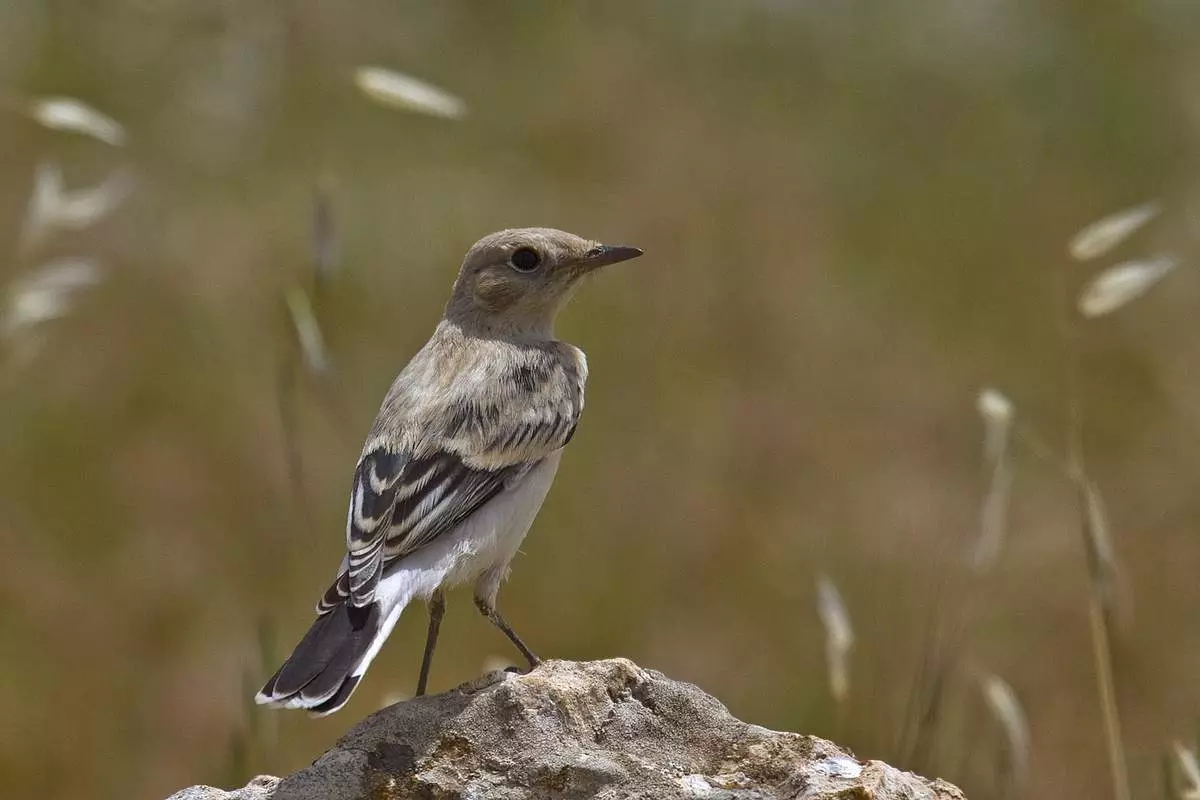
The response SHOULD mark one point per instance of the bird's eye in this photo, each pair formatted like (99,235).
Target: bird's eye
(525,259)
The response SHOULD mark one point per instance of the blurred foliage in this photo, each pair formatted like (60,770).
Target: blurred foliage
(855,216)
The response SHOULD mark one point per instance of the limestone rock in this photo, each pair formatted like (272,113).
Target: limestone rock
(603,729)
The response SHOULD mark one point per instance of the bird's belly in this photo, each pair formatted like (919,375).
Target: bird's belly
(491,536)
(487,540)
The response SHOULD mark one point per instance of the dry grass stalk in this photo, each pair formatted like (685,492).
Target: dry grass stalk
(1106,293)
(1103,565)
(997,413)
(1097,619)
(326,252)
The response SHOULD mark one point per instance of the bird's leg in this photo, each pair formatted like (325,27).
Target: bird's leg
(437,607)
(488,609)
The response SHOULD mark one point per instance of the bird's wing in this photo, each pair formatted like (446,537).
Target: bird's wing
(377,480)
(402,502)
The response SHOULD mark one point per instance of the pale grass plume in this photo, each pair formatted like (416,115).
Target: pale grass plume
(1189,769)
(46,293)
(1104,234)
(997,413)
(308,330)
(397,90)
(53,207)
(1117,286)
(1004,706)
(69,114)
(839,636)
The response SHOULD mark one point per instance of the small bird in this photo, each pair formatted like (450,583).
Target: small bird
(457,463)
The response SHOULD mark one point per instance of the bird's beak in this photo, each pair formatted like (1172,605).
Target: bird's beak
(605,254)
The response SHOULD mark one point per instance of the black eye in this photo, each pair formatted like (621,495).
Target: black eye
(525,259)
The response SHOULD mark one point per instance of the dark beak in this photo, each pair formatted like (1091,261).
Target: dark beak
(605,254)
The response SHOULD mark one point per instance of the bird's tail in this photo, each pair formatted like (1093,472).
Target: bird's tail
(325,668)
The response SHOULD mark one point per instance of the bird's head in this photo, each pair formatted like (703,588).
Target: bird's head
(516,280)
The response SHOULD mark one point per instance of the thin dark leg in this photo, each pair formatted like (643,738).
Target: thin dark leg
(437,608)
(489,611)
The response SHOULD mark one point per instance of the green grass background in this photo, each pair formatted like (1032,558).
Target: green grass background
(855,216)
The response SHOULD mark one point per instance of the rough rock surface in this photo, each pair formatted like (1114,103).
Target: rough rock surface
(601,729)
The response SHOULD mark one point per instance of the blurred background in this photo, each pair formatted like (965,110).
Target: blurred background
(222,239)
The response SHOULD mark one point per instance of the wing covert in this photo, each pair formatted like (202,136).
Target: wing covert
(372,499)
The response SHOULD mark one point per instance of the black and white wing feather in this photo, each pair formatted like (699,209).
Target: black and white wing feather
(402,501)
(376,481)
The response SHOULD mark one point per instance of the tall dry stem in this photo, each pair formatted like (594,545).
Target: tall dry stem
(1097,619)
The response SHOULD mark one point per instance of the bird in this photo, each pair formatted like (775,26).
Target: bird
(457,463)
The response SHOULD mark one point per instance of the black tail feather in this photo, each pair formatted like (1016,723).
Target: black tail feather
(338,698)
(317,675)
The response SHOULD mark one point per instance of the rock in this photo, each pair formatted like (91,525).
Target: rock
(603,729)
(261,788)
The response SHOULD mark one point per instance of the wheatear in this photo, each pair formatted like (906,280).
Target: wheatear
(457,463)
